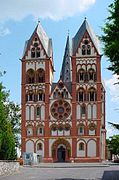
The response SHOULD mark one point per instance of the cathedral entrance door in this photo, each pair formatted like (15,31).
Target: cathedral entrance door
(61,153)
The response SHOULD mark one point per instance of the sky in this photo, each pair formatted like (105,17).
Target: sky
(18,20)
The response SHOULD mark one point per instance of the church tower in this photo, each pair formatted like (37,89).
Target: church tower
(63,121)
(88,97)
(37,77)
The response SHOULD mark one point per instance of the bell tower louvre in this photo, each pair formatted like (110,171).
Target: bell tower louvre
(63,121)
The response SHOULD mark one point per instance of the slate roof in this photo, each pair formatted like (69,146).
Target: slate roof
(79,35)
(65,74)
(45,40)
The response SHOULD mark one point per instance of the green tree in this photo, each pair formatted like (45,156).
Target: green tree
(111,40)
(111,37)
(15,120)
(7,138)
(113,144)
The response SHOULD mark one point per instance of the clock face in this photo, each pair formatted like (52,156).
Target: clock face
(60,109)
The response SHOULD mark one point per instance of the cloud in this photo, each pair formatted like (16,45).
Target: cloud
(111,131)
(54,9)
(4,31)
(113,88)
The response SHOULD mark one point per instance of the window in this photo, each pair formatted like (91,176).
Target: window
(38,52)
(81,130)
(81,146)
(92,75)
(38,111)
(41,96)
(30,76)
(83,50)
(40,76)
(83,111)
(80,75)
(29,131)
(81,95)
(39,146)
(31,97)
(92,95)
(86,48)
(33,53)
(40,131)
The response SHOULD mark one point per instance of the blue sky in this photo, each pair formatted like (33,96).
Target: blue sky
(18,20)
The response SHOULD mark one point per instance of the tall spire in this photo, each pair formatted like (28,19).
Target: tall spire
(65,74)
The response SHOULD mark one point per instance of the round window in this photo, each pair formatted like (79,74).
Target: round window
(61,108)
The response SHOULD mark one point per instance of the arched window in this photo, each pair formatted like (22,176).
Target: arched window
(81,130)
(81,95)
(33,53)
(83,50)
(81,146)
(92,75)
(41,96)
(40,130)
(88,50)
(38,112)
(83,111)
(80,75)
(39,146)
(40,76)
(29,131)
(92,95)
(31,96)
(30,76)
(38,52)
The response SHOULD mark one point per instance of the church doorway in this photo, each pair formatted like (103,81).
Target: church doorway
(61,154)
(61,150)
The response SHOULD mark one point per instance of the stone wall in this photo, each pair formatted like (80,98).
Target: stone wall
(8,167)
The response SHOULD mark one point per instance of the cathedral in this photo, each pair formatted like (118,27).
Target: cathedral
(63,121)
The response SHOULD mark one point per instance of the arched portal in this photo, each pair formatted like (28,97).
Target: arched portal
(61,154)
(61,150)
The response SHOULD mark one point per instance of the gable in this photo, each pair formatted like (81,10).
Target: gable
(40,40)
(86,46)
(85,28)
(57,90)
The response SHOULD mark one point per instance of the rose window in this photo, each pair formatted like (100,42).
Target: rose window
(60,109)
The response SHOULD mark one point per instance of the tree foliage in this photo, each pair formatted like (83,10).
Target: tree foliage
(9,126)
(113,144)
(116,126)
(111,37)
(15,120)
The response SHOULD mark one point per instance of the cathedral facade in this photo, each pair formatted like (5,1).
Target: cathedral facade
(63,121)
